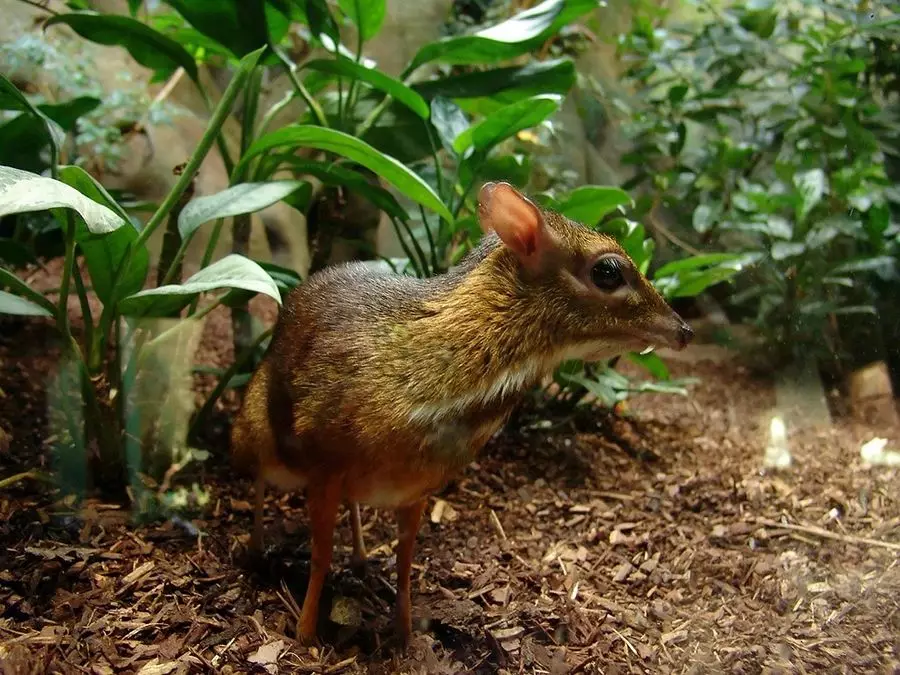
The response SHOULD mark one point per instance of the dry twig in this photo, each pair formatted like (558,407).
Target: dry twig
(826,534)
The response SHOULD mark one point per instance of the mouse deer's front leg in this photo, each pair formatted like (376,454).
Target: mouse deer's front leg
(322,503)
(408,519)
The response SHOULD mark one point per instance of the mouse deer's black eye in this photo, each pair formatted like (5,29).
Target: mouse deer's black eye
(607,274)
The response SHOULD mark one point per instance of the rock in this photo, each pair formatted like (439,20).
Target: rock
(872,396)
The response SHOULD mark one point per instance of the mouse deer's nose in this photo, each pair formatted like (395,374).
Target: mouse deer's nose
(685,334)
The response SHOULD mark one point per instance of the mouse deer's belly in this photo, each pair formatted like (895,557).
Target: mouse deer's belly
(413,472)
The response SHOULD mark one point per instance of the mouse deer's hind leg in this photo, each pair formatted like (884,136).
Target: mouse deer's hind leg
(358,560)
(408,520)
(322,503)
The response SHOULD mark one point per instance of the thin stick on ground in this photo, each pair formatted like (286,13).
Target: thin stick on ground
(826,534)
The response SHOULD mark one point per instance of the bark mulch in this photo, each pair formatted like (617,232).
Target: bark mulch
(645,543)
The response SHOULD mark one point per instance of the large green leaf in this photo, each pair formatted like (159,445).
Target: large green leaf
(507,122)
(506,40)
(22,137)
(13,99)
(589,204)
(238,199)
(335,174)
(811,186)
(492,89)
(13,304)
(736,261)
(23,191)
(105,254)
(68,113)
(232,272)
(241,26)
(368,15)
(23,140)
(147,46)
(341,65)
(20,288)
(449,121)
(330,140)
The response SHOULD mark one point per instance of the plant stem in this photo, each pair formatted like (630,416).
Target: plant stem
(298,85)
(212,131)
(462,200)
(85,310)
(233,370)
(62,315)
(273,112)
(26,475)
(373,117)
(174,247)
(207,256)
(434,260)
(193,164)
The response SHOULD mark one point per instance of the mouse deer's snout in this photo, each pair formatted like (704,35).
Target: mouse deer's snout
(684,333)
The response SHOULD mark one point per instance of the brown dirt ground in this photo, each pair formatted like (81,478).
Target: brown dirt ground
(562,550)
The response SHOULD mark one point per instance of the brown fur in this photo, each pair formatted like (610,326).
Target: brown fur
(379,388)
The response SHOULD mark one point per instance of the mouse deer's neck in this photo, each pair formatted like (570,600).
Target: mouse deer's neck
(483,340)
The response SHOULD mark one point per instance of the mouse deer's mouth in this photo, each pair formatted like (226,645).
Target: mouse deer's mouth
(667,331)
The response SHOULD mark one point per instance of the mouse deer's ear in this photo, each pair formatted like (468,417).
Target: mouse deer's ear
(515,219)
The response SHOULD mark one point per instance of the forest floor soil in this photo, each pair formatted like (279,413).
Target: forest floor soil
(650,541)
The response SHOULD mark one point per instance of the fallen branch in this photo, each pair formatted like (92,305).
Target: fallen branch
(826,534)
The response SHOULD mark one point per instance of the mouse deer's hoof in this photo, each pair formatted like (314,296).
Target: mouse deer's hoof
(306,635)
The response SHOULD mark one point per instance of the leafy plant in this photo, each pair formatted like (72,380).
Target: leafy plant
(107,354)
(769,129)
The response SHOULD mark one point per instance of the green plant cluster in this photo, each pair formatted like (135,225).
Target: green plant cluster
(772,129)
(431,141)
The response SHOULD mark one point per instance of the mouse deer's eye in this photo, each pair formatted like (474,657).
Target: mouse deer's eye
(607,274)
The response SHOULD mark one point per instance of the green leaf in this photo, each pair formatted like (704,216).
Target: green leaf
(589,204)
(703,218)
(884,263)
(507,122)
(12,99)
(236,200)
(321,22)
(23,140)
(502,86)
(782,250)
(147,46)
(241,26)
(736,261)
(601,388)
(13,304)
(330,140)
(105,254)
(449,121)
(286,279)
(67,114)
(232,272)
(692,283)
(341,65)
(22,137)
(336,175)
(507,40)
(368,15)
(811,186)
(652,363)
(23,191)
(20,288)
